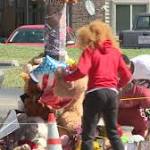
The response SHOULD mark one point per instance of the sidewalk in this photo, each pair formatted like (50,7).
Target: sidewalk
(4,63)
(8,94)
(9,98)
(1,77)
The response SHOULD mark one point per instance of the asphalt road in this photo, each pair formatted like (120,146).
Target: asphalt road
(9,97)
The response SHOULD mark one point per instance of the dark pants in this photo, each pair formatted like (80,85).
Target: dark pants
(100,102)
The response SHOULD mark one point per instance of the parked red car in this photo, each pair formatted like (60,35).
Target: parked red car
(33,35)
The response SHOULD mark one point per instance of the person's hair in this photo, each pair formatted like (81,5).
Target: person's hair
(94,34)
(126,59)
(102,32)
(84,37)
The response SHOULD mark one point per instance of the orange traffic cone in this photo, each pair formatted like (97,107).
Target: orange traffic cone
(54,142)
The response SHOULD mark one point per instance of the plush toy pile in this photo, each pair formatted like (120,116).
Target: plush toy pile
(68,112)
(32,133)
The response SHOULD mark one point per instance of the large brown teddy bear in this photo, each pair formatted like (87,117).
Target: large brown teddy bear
(69,116)
(72,115)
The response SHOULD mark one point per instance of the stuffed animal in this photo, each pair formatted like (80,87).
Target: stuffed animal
(52,94)
(23,147)
(31,99)
(68,117)
(72,115)
(72,112)
(32,133)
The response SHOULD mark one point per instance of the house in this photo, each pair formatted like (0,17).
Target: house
(120,14)
(14,13)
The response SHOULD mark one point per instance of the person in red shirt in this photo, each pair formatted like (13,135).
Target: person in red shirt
(102,61)
(131,110)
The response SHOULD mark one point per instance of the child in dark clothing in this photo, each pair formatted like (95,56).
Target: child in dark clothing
(101,60)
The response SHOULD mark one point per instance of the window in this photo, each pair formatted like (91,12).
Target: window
(122,17)
(136,9)
(126,15)
(143,22)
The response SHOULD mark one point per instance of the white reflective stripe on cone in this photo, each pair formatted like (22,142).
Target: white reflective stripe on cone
(54,147)
(53,131)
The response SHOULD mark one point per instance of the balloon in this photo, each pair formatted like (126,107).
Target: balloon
(48,66)
(124,139)
(96,145)
(70,61)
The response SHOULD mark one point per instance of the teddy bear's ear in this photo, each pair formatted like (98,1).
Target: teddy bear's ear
(25,76)
(33,89)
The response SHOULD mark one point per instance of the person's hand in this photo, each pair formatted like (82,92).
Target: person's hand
(28,68)
(60,70)
(38,61)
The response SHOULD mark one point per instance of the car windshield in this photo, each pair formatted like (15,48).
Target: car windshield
(28,36)
(143,22)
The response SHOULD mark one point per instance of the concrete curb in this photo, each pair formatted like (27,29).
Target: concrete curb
(1,78)
(9,63)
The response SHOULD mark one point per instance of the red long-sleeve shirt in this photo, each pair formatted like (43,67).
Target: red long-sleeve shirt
(136,91)
(102,65)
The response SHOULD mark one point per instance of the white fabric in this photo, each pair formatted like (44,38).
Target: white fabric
(141,67)
(95,89)
(135,138)
(10,124)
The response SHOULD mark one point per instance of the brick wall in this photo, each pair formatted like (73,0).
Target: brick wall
(80,16)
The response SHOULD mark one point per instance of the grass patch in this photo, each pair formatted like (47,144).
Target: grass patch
(74,53)
(135,52)
(24,54)
(13,78)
